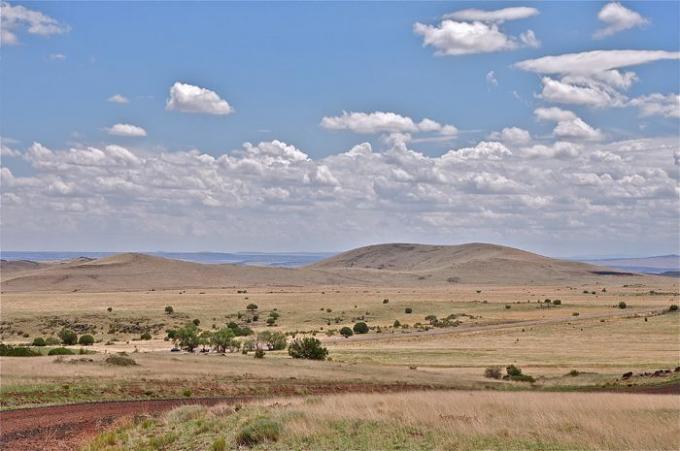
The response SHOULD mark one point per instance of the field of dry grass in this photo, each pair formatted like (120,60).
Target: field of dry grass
(417,420)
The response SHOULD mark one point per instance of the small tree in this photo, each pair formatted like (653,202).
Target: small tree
(223,339)
(275,341)
(169,310)
(346,332)
(204,339)
(252,307)
(86,340)
(68,337)
(360,328)
(187,337)
(307,348)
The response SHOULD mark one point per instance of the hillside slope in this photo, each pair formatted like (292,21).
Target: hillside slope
(384,265)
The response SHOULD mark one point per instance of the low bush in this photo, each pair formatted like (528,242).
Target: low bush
(61,351)
(145,336)
(408,310)
(515,374)
(196,322)
(396,323)
(169,310)
(120,360)
(557,302)
(574,373)
(39,341)
(360,328)
(346,332)
(622,305)
(271,321)
(493,373)
(252,307)
(258,431)
(68,337)
(17,351)
(52,341)
(386,301)
(307,348)
(259,354)
(86,340)
(673,308)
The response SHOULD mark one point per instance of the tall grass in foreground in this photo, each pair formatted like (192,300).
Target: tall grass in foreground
(418,420)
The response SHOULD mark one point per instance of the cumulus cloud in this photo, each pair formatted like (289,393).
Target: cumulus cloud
(491,79)
(591,78)
(194,99)
(658,105)
(398,128)
(16,19)
(118,98)
(618,18)
(512,135)
(239,198)
(126,130)
(568,125)
(472,31)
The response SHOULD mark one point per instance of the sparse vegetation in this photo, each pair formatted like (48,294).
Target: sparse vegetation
(120,360)
(17,351)
(61,351)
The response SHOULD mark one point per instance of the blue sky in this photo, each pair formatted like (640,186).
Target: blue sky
(283,67)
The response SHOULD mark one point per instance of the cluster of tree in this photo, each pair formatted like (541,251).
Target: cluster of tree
(225,339)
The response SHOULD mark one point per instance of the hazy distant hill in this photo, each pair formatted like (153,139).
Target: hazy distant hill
(385,264)
(650,265)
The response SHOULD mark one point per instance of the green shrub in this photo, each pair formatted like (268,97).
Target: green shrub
(17,351)
(673,308)
(172,333)
(408,310)
(120,360)
(515,374)
(187,337)
(396,323)
(258,431)
(68,337)
(622,305)
(86,340)
(169,310)
(307,348)
(219,444)
(52,341)
(252,307)
(186,393)
(360,328)
(145,336)
(60,351)
(271,321)
(196,322)
(346,332)
(39,341)
(557,302)
(276,341)
(512,370)
(259,354)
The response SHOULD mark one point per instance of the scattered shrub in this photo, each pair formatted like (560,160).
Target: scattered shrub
(493,373)
(169,310)
(386,301)
(346,332)
(259,354)
(145,336)
(408,310)
(68,337)
(557,302)
(197,322)
(17,351)
(257,431)
(307,348)
(120,360)
(39,341)
(60,351)
(622,305)
(360,328)
(86,340)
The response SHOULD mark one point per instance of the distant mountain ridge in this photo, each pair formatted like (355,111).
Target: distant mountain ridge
(650,265)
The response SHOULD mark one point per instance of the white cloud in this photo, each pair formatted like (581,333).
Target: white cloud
(569,125)
(512,135)
(385,122)
(491,78)
(126,130)
(618,18)
(658,105)
(476,31)
(194,99)
(500,15)
(18,19)
(273,192)
(57,56)
(594,62)
(117,98)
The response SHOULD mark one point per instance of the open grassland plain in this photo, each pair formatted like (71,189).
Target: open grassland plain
(583,341)
(414,420)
